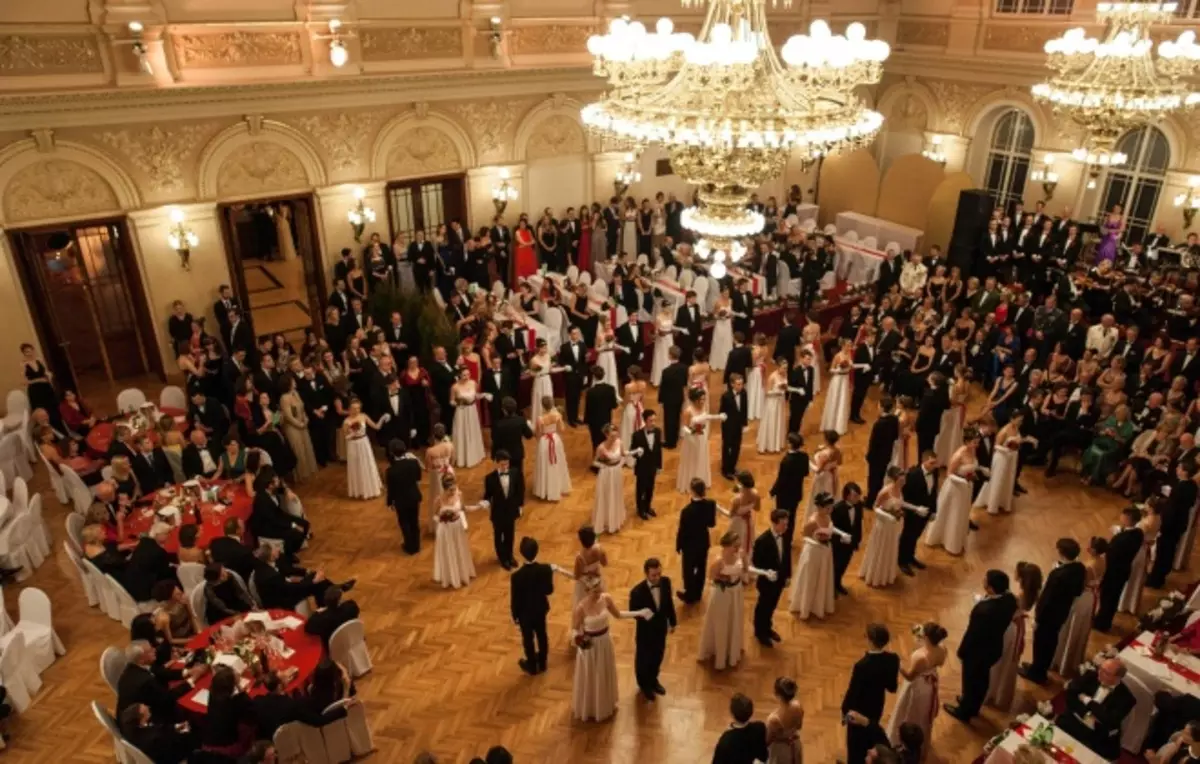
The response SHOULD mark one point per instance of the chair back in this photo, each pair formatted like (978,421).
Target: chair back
(1137,722)
(16,402)
(20,494)
(112,665)
(671,273)
(110,725)
(190,574)
(135,756)
(297,742)
(700,286)
(357,731)
(348,647)
(75,524)
(80,495)
(173,397)
(130,400)
(572,274)
(34,607)
(104,593)
(196,598)
(127,606)
(89,586)
(254,590)
(56,481)
(686,278)
(643,260)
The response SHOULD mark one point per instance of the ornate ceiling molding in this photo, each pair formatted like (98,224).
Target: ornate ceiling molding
(41,54)
(388,153)
(411,43)
(923,32)
(59,181)
(550,39)
(159,153)
(237,48)
(1019,38)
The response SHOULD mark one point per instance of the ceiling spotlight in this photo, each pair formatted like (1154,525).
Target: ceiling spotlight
(338,55)
(334,25)
(136,27)
(139,47)
(497,36)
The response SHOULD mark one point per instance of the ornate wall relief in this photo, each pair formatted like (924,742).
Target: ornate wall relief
(57,188)
(1018,38)
(343,137)
(955,100)
(407,43)
(160,154)
(556,135)
(211,51)
(908,114)
(422,150)
(931,33)
(549,38)
(259,167)
(49,54)
(490,124)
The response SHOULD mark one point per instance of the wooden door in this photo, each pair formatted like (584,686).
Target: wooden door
(426,203)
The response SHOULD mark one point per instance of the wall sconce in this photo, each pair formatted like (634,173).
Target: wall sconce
(139,47)
(1097,161)
(181,238)
(360,214)
(503,193)
(1046,176)
(627,175)
(934,151)
(1189,201)
(338,55)
(496,39)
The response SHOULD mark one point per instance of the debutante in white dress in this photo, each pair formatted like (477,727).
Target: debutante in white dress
(754,392)
(787,748)
(997,492)
(1002,681)
(825,477)
(631,417)
(362,473)
(721,636)
(439,467)
(663,342)
(836,415)
(608,513)
(722,340)
(542,386)
(694,460)
(452,564)
(916,703)
(949,437)
(594,694)
(606,358)
(952,523)
(1073,637)
(629,233)
(772,428)
(812,583)
(467,435)
(881,561)
(1131,595)
(551,478)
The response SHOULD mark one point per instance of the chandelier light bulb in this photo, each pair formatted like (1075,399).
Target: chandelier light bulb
(136,27)
(338,55)
(177,216)
(717,270)
(505,174)
(360,193)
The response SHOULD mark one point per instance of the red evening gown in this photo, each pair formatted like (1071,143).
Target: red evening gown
(525,263)
(585,245)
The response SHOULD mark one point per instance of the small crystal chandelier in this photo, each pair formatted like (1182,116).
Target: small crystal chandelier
(360,214)
(1189,201)
(1046,176)
(1096,161)
(935,153)
(181,238)
(627,175)
(503,193)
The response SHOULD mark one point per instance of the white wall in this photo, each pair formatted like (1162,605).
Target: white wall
(556,183)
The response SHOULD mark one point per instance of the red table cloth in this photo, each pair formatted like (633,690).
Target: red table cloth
(237,504)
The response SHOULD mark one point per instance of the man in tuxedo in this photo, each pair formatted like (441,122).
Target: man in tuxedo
(150,466)
(1063,584)
(612,230)
(847,517)
(343,267)
(404,493)
(573,357)
(421,256)
(318,402)
(442,377)
(800,390)
(509,434)
(1119,554)
(671,390)
(148,564)
(873,677)
(269,518)
(787,340)
(230,551)
(1129,348)
(934,403)
(633,345)
(501,238)
(735,413)
(742,305)
(282,585)
(688,327)
(225,303)
(674,211)
(654,593)
(391,408)
(982,644)
(991,251)
(1187,363)
(920,490)
(864,375)
(1076,430)
(504,491)
(510,347)
(692,541)
(600,404)
(237,334)
(1175,513)
(339,298)
(160,742)
(532,585)
(889,273)
(788,489)
(740,359)
(209,416)
(332,614)
(1097,704)
(499,384)
(197,458)
(143,682)
(772,551)
(649,441)
(884,433)
(398,340)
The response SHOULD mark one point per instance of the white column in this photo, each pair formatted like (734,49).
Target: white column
(955,147)
(14,314)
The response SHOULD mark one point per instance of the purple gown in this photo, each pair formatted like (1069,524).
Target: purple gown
(1108,245)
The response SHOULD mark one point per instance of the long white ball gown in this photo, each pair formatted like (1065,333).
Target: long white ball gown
(1073,638)
(836,414)
(952,523)
(881,561)
(812,583)
(438,469)
(362,473)
(916,703)
(949,437)
(772,428)
(722,341)
(997,493)
(606,359)
(594,694)
(663,342)
(551,477)
(468,437)
(1131,595)
(1002,682)
(754,392)
(694,460)
(721,636)
(608,513)
(631,418)
(452,565)
(542,386)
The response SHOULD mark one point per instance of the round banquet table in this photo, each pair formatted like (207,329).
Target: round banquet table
(100,436)
(306,654)
(236,503)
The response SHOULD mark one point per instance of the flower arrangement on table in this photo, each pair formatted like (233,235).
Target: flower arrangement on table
(256,650)
(1163,615)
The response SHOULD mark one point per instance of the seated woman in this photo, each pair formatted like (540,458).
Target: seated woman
(230,722)
(102,553)
(188,551)
(1113,435)
(76,416)
(173,616)
(1151,452)
(269,437)
(232,464)
(87,468)
(330,683)
(123,479)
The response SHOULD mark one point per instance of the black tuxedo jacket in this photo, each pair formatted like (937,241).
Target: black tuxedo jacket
(566,357)
(1109,713)
(404,483)
(916,492)
(801,378)
(739,362)
(841,521)
(340,300)
(268,517)
(148,564)
(875,674)
(509,434)
(673,385)
(786,344)
(505,507)
(788,489)
(734,406)
(625,338)
(193,464)
(884,433)
(650,462)
(507,386)
(765,556)
(238,336)
(694,521)
(154,474)
(1063,584)
(934,403)
(1122,548)
(441,379)
(600,402)
(652,631)
(233,554)
(864,354)
(214,417)
(532,585)
(984,637)
(138,684)
(688,317)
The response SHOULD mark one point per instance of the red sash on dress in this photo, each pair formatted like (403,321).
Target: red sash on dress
(932,679)
(552,450)
(1178,668)
(637,415)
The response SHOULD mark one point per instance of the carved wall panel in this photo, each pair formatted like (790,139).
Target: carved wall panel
(549,39)
(556,135)
(343,138)
(422,150)
(212,51)
(908,114)
(57,188)
(491,124)
(955,100)
(1018,38)
(408,43)
(914,32)
(259,167)
(22,54)
(162,155)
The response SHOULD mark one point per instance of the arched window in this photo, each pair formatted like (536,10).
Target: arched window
(1137,184)
(1008,157)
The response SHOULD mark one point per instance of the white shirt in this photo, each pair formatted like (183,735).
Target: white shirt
(394,399)
(1102,340)
(656,593)
(650,439)
(778,545)
(928,481)
(504,482)
(206,461)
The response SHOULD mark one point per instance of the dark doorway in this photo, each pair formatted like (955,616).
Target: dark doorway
(426,203)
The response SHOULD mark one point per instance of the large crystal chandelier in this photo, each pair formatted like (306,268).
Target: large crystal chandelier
(729,110)
(1111,85)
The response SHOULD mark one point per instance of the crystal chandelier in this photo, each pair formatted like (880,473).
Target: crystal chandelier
(628,174)
(1111,85)
(730,110)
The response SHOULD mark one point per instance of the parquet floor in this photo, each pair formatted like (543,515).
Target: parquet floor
(446,676)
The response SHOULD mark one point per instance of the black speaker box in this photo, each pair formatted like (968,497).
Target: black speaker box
(970,221)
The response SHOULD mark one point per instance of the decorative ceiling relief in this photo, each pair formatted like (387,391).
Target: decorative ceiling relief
(160,154)
(1018,38)
(555,136)
(550,38)
(931,33)
(955,99)
(490,124)
(260,166)
(46,54)
(57,188)
(211,51)
(406,43)
(908,114)
(343,137)
(420,150)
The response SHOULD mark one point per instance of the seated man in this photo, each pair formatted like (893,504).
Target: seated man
(276,708)
(270,518)
(224,595)
(281,585)
(1097,704)
(198,461)
(231,551)
(150,466)
(332,615)
(148,564)
(163,743)
(140,684)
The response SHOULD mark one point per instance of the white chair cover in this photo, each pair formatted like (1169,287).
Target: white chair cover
(348,646)
(1184,551)
(1131,595)
(110,725)
(12,453)
(130,400)
(808,225)
(17,673)
(349,737)
(16,549)
(20,493)
(296,742)
(554,321)
(16,402)
(75,523)
(6,624)
(56,482)
(196,597)
(89,586)
(701,287)
(1137,723)
(572,274)
(643,260)
(80,495)
(173,397)
(671,273)
(190,574)
(498,289)
(871,242)
(41,641)
(39,534)
(112,664)
(127,606)
(686,278)
(104,592)
(26,431)
(133,754)
(585,278)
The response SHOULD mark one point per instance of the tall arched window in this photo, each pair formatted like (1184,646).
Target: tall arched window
(1136,185)
(1009,156)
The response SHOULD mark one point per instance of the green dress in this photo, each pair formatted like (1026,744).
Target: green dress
(1101,457)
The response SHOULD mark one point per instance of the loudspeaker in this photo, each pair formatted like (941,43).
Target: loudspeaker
(970,221)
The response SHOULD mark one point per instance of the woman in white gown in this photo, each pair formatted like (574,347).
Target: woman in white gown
(694,459)
(836,415)
(1002,681)
(812,583)
(606,355)
(997,493)
(784,725)
(594,695)
(362,472)
(949,436)
(722,336)
(541,365)
(721,635)
(772,428)
(1151,524)
(917,700)
(608,513)
(755,377)
(631,414)
(468,437)
(952,523)
(1073,639)
(452,564)
(810,338)
(439,462)
(629,232)
(590,562)
(825,465)
(551,478)
(664,340)
(881,562)
(745,503)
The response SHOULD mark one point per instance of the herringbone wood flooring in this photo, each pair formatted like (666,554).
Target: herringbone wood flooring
(446,676)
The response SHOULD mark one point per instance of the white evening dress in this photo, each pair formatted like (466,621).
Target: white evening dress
(997,493)
(722,343)
(881,562)
(1131,595)
(551,478)
(916,703)
(772,428)
(452,564)
(631,418)
(824,481)
(949,437)
(1002,682)
(754,392)
(694,461)
(542,386)
(721,635)
(362,473)
(1073,637)
(594,695)
(663,342)
(468,437)
(606,358)
(439,468)
(836,415)
(952,523)
(629,235)
(608,513)
(812,583)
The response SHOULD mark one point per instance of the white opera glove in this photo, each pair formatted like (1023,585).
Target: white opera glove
(486,396)
(723,417)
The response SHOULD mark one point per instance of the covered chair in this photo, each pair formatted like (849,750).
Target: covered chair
(112,665)
(130,400)
(196,598)
(349,737)
(108,600)
(348,646)
(173,397)
(134,754)
(1137,723)
(17,673)
(296,742)
(80,494)
(42,644)
(56,482)
(110,726)
(85,580)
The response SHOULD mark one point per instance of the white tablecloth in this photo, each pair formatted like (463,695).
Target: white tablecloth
(806,211)
(1012,741)
(857,264)
(670,291)
(1159,677)
(758,282)
(884,231)
(603,269)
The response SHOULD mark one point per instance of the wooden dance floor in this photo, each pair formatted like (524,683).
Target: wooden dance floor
(446,677)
